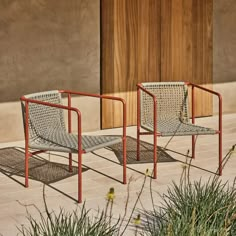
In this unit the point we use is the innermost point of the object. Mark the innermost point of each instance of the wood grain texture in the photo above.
(107, 55)
(176, 40)
(132, 50)
(136, 54)
(154, 65)
(154, 40)
(202, 53)
(120, 58)
(166, 49)
(186, 46)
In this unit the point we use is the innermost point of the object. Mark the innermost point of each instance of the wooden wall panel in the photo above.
(176, 40)
(154, 40)
(107, 55)
(154, 72)
(186, 46)
(166, 49)
(202, 53)
(136, 53)
(132, 55)
(120, 58)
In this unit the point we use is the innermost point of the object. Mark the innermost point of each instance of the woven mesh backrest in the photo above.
(171, 102)
(43, 119)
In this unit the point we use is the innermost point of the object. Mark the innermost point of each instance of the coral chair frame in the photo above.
(146, 89)
(28, 100)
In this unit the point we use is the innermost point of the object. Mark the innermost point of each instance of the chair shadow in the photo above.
(146, 152)
(12, 163)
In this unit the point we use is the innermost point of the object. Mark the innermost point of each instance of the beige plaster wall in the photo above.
(44, 45)
(224, 52)
(50, 44)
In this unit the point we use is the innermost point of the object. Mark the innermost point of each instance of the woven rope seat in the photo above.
(47, 128)
(65, 142)
(172, 110)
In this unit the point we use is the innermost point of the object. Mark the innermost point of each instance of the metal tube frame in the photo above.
(80, 151)
(69, 129)
(219, 131)
(124, 120)
(155, 133)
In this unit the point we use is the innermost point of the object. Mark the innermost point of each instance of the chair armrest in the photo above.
(28, 100)
(69, 92)
(209, 91)
(93, 95)
(205, 89)
(140, 87)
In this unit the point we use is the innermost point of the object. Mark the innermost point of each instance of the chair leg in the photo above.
(124, 160)
(70, 162)
(138, 145)
(79, 177)
(155, 155)
(26, 167)
(193, 146)
(138, 124)
(220, 153)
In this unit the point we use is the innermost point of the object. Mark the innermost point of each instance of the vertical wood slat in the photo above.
(107, 55)
(187, 59)
(202, 53)
(143, 36)
(186, 45)
(176, 40)
(154, 65)
(120, 58)
(136, 54)
(165, 34)
(132, 63)
(208, 52)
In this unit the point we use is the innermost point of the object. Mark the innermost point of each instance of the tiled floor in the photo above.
(102, 170)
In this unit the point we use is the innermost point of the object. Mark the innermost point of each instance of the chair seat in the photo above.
(178, 128)
(67, 142)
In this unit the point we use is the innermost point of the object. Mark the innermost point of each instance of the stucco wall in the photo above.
(54, 44)
(44, 45)
(224, 52)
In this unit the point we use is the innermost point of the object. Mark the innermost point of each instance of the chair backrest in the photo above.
(43, 119)
(172, 102)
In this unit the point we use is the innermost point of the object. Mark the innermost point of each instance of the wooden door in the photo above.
(153, 40)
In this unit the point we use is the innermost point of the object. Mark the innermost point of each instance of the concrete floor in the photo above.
(102, 170)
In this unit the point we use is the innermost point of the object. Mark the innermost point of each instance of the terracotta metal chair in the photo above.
(45, 129)
(162, 110)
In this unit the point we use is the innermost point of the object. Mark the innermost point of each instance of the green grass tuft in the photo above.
(194, 209)
(69, 224)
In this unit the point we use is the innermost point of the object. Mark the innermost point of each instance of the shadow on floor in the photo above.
(12, 162)
(146, 152)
